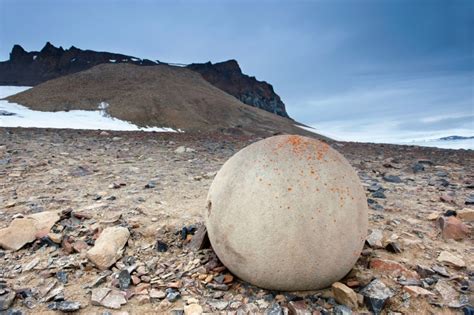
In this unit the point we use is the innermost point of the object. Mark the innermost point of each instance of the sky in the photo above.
(375, 71)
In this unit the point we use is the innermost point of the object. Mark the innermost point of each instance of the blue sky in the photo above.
(357, 70)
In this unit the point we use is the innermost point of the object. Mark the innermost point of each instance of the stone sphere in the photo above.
(287, 213)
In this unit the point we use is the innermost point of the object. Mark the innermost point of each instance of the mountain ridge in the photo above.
(32, 68)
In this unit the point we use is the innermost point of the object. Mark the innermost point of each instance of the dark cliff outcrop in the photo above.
(228, 77)
(32, 68)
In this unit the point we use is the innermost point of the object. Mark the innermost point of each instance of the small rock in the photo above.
(392, 179)
(218, 305)
(173, 296)
(376, 295)
(108, 247)
(450, 213)
(217, 286)
(143, 299)
(157, 294)
(298, 308)
(31, 264)
(393, 247)
(344, 295)
(62, 276)
(466, 214)
(424, 271)
(446, 198)
(124, 279)
(180, 149)
(274, 309)
(151, 184)
(193, 309)
(65, 306)
(447, 257)
(468, 310)
(469, 200)
(392, 267)
(200, 239)
(22, 231)
(448, 294)
(452, 228)
(375, 239)
(114, 300)
(418, 167)
(379, 194)
(342, 310)
(6, 300)
(416, 291)
(375, 187)
(98, 295)
(161, 246)
(440, 270)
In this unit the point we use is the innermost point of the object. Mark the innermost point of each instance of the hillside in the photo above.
(154, 96)
(35, 67)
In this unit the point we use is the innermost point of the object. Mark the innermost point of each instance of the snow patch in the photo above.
(34, 57)
(21, 116)
(112, 60)
(73, 59)
(135, 59)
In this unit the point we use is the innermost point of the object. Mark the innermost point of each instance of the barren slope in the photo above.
(154, 96)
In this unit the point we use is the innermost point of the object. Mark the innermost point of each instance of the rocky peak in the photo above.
(228, 77)
(17, 53)
(32, 68)
(51, 50)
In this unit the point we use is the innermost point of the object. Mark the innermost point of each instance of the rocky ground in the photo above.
(71, 200)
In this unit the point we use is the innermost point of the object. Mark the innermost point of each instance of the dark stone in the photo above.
(441, 174)
(469, 200)
(62, 276)
(228, 77)
(192, 229)
(418, 167)
(393, 247)
(65, 306)
(376, 295)
(151, 184)
(375, 187)
(124, 279)
(450, 213)
(219, 279)
(468, 310)
(173, 296)
(161, 246)
(217, 286)
(342, 310)
(274, 309)
(97, 197)
(200, 239)
(424, 271)
(6, 300)
(374, 205)
(13, 311)
(184, 233)
(379, 194)
(392, 179)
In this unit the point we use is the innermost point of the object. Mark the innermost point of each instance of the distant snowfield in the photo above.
(15, 115)
(338, 132)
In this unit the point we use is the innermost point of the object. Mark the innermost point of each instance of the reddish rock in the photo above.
(417, 291)
(298, 308)
(446, 198)
(452, 228)
(392, 267)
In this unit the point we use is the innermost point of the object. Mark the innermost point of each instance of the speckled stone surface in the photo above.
(287, 213)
